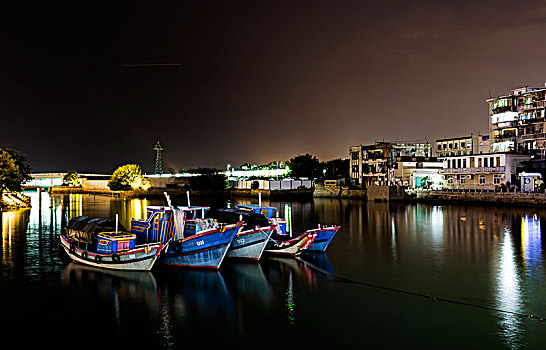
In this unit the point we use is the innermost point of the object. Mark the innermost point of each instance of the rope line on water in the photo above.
(431, 297)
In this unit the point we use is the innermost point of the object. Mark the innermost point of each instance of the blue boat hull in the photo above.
(203, 250)
(323, 239)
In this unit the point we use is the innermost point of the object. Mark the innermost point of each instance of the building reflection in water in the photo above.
(75, 205)
(508, 296)
(531, 246)
(437, 228)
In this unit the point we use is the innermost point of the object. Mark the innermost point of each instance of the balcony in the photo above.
(503, 109)
(506, 124)
(538, 136)
(503, 138)
(475, 170)
(533, 105)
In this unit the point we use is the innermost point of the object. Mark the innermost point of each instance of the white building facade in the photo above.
(482, 171)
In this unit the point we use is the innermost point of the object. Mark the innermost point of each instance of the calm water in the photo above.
(492, 258)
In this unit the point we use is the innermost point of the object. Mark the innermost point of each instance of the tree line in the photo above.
(14, 172)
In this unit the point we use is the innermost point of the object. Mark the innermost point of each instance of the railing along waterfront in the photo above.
(498, 169)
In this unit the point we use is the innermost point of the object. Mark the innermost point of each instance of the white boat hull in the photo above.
(250, 244)
(292, 246)
(142, 258)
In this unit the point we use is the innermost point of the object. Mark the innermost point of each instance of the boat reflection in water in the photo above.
(248, 280)
(122, 296)
(195, 291)
(310, 266)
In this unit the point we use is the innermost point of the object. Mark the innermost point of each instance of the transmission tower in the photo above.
(158, 161)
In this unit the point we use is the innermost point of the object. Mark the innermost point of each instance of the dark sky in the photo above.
(258, 81)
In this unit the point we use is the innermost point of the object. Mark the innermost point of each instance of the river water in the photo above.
(395, 276)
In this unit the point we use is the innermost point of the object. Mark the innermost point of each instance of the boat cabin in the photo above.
(159, 225)
(113, 242)
(269, 212)
(90, 231)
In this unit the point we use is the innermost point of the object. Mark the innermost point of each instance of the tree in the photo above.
(304, 166)
(212, 179)
(71, 179)
(335, 169)
(127, 177)
(14, 171)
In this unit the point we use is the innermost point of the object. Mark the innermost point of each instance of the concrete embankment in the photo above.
(334, 191)
(278, 194)
(506, 198)
(150, 193)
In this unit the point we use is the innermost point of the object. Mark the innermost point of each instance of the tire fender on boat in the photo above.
(176, 247)
(115, 257)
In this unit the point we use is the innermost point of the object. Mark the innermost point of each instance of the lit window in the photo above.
(481, 180)
(496, 179)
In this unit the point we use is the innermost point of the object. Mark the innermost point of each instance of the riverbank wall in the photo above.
(150, 193)
(275, 194)
(504, 198)
(335, 191)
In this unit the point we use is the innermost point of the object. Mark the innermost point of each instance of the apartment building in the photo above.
(517, 121)
(375, 164)
(459, 146)
(482, 171)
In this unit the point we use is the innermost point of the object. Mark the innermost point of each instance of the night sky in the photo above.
(253, 81)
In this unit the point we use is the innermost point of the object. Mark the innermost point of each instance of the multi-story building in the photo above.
(459, 146)
(517, 121)
(375, 164)
(482, 171)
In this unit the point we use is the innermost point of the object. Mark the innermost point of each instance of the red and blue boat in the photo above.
(324, 235)
(195, 241)
(321, 236)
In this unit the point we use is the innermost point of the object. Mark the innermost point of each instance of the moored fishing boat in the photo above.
(104, 244)
(251, 241)
(323, 234)
(196, 242)
(282, 244)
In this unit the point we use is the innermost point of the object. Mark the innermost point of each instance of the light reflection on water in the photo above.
(474, 254)
(509, 292)
(531, 248)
